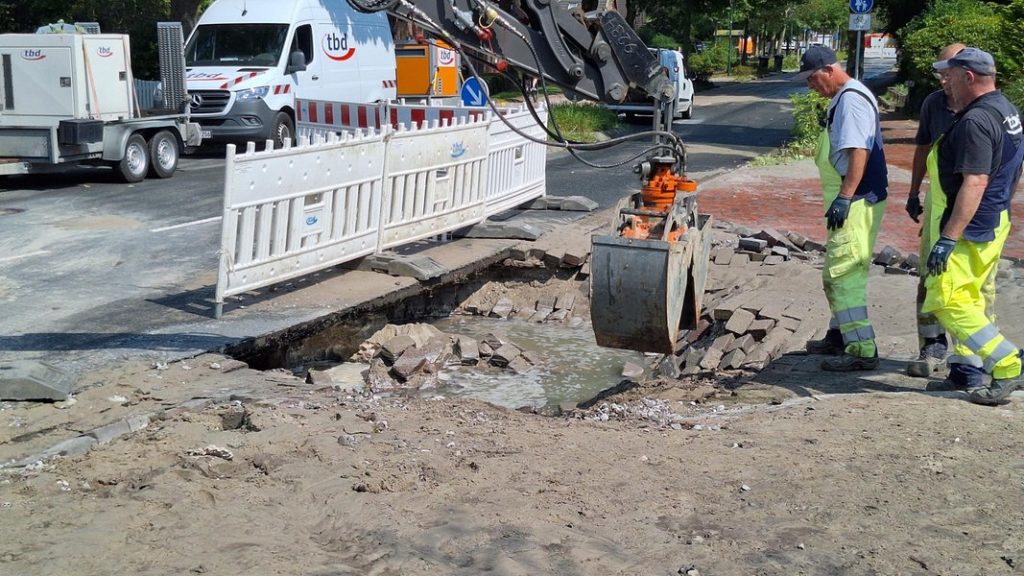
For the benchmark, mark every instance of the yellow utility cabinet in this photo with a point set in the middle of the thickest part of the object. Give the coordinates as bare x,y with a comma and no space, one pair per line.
426,69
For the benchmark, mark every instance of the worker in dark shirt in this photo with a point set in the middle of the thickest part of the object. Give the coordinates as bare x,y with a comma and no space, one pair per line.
974,168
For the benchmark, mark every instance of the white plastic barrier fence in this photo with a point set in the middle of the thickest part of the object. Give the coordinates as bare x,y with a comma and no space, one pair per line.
515,166
296,210
300,209
435,181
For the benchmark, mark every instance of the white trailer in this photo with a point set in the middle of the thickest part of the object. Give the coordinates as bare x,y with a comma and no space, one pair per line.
69,98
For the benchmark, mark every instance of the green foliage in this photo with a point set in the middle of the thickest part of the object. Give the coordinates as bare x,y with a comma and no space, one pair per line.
808,111
741,72
945,22
711,60
822,15
791,62
581,122
655,39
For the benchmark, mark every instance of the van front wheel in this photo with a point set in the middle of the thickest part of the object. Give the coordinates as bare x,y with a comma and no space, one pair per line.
284,128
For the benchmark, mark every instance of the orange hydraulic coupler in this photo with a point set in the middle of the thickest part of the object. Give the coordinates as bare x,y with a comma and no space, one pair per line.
657,196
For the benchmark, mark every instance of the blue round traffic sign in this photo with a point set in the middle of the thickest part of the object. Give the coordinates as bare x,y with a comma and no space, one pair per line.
861,6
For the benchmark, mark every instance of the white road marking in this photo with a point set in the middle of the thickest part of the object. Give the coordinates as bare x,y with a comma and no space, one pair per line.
187,224
19,256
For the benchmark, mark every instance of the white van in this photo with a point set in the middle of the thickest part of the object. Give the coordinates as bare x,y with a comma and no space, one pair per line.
637,102
248,60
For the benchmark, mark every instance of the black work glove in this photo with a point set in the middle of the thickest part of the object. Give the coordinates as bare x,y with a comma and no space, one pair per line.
939,256
837,213
914,207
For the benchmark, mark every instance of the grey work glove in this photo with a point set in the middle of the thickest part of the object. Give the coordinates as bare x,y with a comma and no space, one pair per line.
914,207
939,256
837,213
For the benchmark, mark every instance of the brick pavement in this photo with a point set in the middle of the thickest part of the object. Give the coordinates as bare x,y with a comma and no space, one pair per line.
788,197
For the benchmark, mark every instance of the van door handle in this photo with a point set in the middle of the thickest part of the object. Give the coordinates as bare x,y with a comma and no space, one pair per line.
315,78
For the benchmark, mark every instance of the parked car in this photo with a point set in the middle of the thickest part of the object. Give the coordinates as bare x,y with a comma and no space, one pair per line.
637,102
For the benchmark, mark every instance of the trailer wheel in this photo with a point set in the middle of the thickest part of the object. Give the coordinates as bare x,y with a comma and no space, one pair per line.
283,128
163,154
135,163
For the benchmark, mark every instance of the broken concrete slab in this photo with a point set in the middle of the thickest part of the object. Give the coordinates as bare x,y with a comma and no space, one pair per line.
578,204
773,260
632,371
33,380
733,360
504,355
394,347
411,362
467,349
565,301
557,316
772,236
419,267
739,322
760,328
503,308
753,244
888,256
501,230
724,256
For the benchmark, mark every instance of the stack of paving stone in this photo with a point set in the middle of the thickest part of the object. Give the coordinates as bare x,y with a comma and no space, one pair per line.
549,308
401,363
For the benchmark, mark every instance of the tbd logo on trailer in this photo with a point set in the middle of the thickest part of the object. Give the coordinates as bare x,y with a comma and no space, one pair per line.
33,55
336,47
104,51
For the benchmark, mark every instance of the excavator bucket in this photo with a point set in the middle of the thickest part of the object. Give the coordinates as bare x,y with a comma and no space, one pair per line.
644,291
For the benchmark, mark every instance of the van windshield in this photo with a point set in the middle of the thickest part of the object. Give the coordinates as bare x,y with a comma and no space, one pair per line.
236,45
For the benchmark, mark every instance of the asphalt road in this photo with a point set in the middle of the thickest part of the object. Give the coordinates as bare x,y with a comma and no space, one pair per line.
79,251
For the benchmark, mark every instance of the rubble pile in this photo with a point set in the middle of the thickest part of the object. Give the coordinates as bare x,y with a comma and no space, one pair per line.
547,308
415,356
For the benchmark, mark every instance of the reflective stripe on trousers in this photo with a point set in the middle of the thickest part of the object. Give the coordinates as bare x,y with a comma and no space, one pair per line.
848,253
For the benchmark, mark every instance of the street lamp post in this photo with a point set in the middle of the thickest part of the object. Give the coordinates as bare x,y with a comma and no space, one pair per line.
728,54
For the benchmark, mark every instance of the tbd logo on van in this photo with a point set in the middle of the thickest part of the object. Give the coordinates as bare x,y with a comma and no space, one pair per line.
336,47
33,55
104,51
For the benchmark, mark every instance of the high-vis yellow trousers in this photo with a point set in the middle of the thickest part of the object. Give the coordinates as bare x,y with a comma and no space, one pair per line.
848,254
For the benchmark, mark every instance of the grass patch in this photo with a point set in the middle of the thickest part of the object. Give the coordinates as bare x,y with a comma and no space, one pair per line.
517,96
581,121
791,152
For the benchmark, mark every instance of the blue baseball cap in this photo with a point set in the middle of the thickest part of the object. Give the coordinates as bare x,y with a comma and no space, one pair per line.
814,58
973,59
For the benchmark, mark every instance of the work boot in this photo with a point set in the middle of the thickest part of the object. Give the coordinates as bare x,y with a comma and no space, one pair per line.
931,360
996,393
849,363
965,377
831,344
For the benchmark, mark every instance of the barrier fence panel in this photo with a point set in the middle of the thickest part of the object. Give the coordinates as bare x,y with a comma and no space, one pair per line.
434,182
297,210
315,118
515,166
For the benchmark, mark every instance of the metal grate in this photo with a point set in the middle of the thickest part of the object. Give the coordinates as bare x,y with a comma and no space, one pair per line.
209,101
89,27
171,42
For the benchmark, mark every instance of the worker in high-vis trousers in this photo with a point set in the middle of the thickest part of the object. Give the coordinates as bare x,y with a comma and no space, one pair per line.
974,167
854,181
935,119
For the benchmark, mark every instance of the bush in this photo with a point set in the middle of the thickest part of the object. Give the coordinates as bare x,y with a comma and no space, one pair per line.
791,62
741,72
712,59
808,116
943,23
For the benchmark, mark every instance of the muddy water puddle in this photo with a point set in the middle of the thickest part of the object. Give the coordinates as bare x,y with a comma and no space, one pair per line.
573,368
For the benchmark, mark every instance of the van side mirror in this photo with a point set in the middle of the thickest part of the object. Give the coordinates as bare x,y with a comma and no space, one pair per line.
296,62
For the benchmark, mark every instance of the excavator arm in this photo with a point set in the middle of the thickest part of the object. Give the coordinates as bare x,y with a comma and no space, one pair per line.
648,272
596,54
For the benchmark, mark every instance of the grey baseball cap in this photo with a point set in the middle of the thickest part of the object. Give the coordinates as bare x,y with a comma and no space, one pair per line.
973,59
814,58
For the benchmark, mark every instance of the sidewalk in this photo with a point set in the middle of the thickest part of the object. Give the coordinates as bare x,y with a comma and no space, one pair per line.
788,196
